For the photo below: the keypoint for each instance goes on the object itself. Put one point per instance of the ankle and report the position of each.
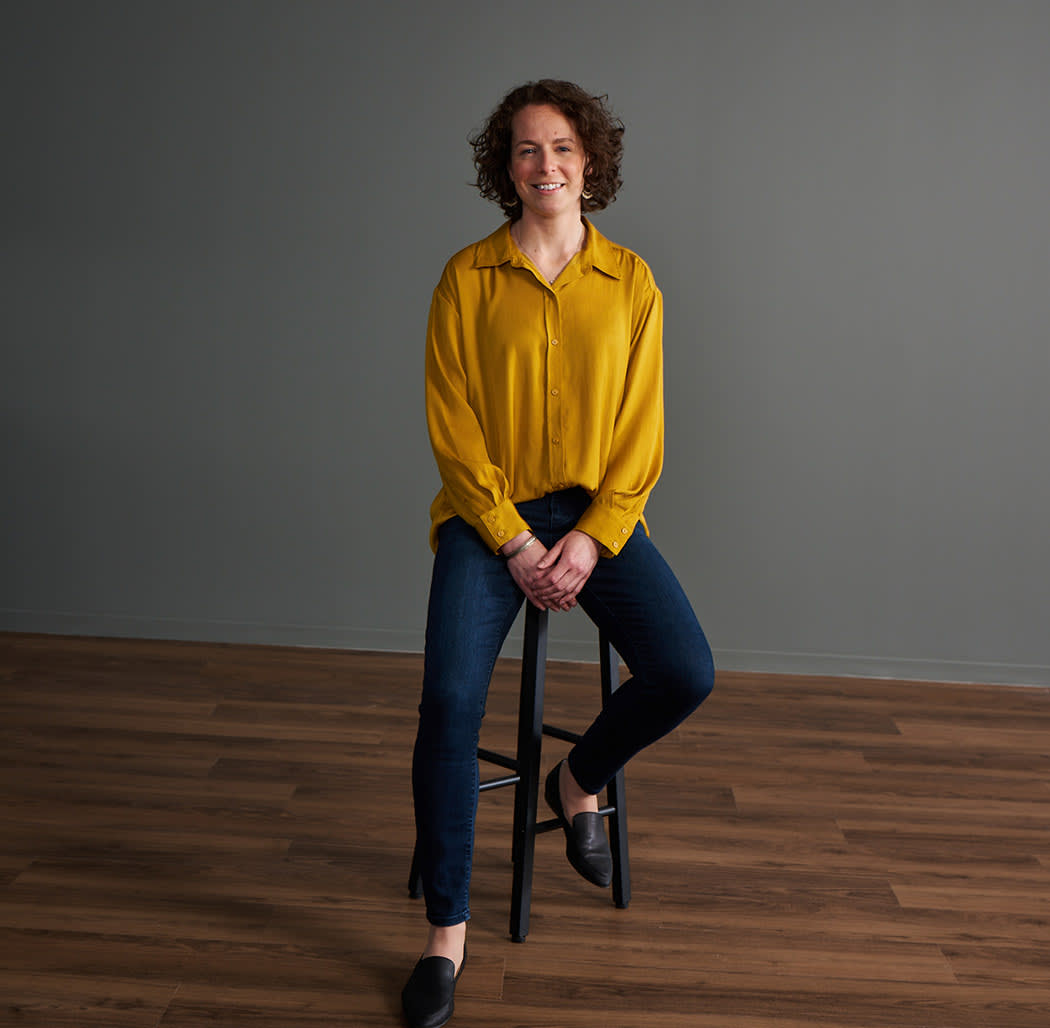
(573, 798)
(447, 941)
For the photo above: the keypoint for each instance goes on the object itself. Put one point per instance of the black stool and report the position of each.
(526, 777)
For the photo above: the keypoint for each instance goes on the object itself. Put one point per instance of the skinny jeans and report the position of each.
(634, 597)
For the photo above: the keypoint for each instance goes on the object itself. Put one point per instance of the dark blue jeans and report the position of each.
(634, 597)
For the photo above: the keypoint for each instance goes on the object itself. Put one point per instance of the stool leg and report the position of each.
(616, 794)
(530, 742)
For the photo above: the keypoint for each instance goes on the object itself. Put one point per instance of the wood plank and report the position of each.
(198, 834)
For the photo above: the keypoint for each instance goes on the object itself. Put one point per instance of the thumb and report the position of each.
(550, 557)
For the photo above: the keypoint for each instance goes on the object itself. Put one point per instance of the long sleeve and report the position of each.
(478, 490)
(635, 456)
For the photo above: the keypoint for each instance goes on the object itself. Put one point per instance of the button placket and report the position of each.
(555, 382)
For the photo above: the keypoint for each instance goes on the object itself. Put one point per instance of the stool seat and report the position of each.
(525, 776)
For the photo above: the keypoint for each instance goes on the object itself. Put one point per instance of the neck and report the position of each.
(549, 236)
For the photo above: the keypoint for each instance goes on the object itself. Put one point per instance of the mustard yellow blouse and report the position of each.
(533, 387)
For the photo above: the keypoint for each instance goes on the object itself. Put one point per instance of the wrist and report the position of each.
(596, 546)
(518, 544)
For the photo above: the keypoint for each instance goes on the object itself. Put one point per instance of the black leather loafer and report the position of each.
(585, 842)
(429, 994)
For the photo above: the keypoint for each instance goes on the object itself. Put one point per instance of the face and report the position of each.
(547, 162)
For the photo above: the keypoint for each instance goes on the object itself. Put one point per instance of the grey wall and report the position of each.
(222, 223)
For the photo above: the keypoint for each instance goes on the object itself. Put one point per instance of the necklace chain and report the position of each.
(534, 257)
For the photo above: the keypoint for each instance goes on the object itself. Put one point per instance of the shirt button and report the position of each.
(555, 440)
(501, 533)
(554, 342)
(554, 392)
(616, 546)
(623, 531)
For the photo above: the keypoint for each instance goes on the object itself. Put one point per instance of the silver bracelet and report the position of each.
(521, 549)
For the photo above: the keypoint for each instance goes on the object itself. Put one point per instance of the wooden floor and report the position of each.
(213, 835)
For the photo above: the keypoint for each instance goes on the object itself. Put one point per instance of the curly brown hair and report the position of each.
(600, 132)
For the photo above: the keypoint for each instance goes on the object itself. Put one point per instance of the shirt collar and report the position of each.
(499, 248)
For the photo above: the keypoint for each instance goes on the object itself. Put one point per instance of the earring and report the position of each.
(587, 195)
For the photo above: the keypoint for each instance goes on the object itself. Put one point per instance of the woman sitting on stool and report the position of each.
(545, 412)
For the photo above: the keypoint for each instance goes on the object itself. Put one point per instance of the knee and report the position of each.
(450, 712)
(443, 710)
(690, 683)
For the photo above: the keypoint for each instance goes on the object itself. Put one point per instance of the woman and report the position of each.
(544, 406)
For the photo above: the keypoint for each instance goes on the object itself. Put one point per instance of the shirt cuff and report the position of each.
(501, 524)
(609, 527)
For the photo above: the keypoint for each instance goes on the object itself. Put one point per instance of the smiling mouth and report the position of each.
(549, 187)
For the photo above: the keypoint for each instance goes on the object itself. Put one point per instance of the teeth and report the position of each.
(549, 188)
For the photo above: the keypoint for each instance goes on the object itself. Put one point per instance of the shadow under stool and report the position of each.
(525, 776)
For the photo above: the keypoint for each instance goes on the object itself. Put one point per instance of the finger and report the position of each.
(553, 590)
(546, 569)
(550, 558)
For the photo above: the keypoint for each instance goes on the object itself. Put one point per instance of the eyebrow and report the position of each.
(533, 142)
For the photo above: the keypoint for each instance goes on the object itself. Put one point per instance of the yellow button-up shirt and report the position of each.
(532, 387)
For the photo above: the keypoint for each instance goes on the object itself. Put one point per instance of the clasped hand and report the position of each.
(552, 579)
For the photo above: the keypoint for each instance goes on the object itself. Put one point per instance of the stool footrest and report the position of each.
(552, 823)
(500, 759)
(499, 783)
(560, 733)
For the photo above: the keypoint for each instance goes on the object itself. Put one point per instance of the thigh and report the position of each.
(473, 603)
(638, 601)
